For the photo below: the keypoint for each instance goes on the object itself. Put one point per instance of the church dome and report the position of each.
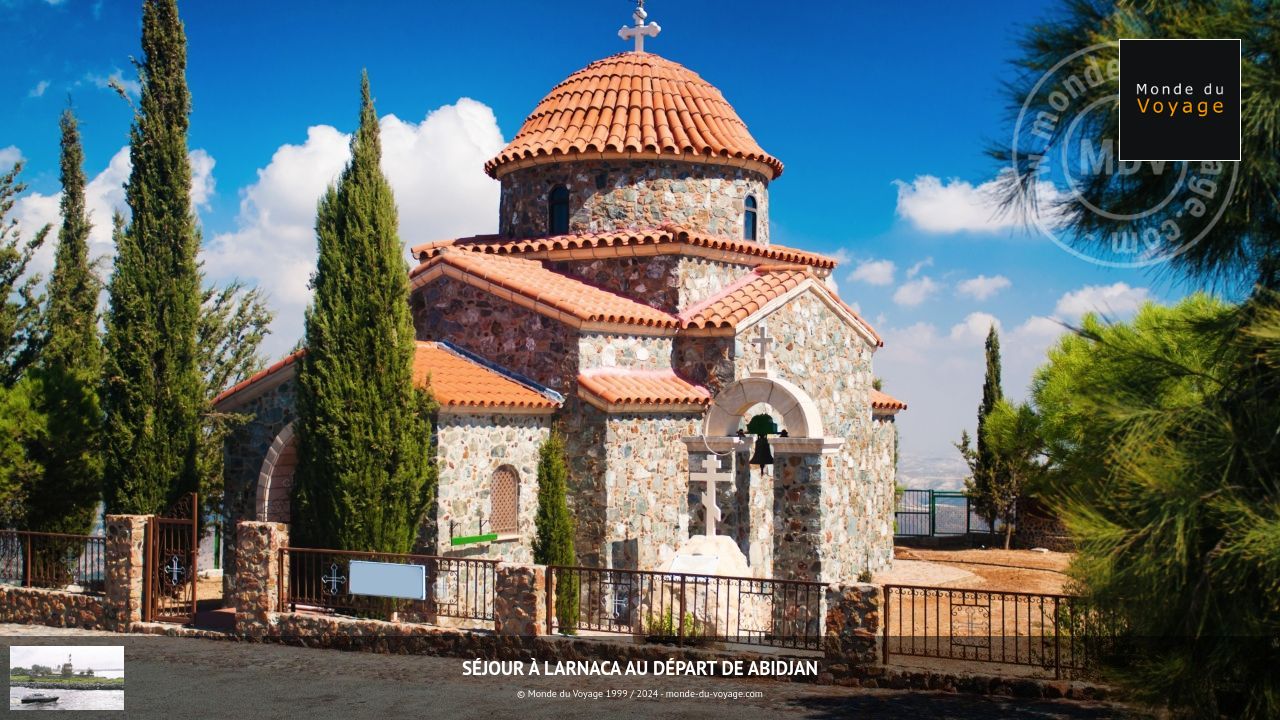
(634, 105)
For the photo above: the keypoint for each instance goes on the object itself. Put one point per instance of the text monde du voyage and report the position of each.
(1179, 100)
(730, 668)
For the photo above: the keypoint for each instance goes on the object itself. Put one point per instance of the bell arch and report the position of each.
(275, 478)
(800, 416)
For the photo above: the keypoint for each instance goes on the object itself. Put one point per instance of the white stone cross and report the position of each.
(710, 477)
(641, 30)
(763, 344)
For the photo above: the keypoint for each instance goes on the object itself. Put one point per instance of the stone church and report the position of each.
(633, 299)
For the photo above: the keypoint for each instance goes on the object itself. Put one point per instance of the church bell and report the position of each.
(762, 455)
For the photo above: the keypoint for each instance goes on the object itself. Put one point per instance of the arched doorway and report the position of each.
(275, 479)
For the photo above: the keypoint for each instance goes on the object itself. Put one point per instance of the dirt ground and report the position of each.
(982, 569)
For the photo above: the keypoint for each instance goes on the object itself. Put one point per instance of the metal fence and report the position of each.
(688, 609)
(319, 580)
(927, 513)
(53, 560)
(1052, 632)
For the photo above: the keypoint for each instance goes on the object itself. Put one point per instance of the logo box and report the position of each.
(1179, 100)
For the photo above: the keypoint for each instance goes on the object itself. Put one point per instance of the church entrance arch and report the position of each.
(275, 479)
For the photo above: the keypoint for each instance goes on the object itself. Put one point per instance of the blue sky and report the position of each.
(881, 113)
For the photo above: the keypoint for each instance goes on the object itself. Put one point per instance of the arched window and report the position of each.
(558, 211)
(749, 218)
(504, 496)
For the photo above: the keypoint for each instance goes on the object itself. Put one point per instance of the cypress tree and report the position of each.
(152, 389)
(365, 476)
(553, 542)
(985, 464)
(63, 497)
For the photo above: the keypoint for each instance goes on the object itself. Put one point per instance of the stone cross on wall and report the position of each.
(711, 477)
(641, 30)
(764, 345)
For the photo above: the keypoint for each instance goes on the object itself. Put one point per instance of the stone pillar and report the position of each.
(797, 517)
(853, 624)
(258, 577)
(125, 568)
(520, 599)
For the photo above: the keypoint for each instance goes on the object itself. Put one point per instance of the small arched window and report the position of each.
(749, 218)
(558, 211)
(504, 495)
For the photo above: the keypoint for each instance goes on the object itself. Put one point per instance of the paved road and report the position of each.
(182, 678)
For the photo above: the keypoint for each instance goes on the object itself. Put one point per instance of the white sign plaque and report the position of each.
(393, 580)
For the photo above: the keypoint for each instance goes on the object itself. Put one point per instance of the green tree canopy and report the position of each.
(365, 475)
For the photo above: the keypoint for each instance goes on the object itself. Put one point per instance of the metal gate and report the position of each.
(173, 543)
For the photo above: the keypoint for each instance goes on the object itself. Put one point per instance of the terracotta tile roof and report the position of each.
(460, 382)
(637, 104)
(457, 380)
(529, 283)
(621, 389)
(750, 293)
(884, 401)
(269, 372)
(670, 239)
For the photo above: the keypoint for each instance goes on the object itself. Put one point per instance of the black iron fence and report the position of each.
(688, 609)
(1056, 633)
(927, 513)
(53, 560)
(319, 580)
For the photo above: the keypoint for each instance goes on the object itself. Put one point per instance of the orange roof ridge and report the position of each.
(634, 103)
(623, 389)
(261, 375)
(625, 241)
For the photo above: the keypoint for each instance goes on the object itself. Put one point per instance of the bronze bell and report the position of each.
(762, 455)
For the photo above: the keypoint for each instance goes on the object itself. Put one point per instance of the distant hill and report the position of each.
(932, 473)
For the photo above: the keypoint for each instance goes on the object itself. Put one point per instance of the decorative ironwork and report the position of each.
(172, 545)
(75, 563)
(1056, 633)
(456, 587)
(685, 608)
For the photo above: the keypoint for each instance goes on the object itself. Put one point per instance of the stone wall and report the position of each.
(257, 590)
(1038, 531)
(800, 552)
(634, 352)
(244, 450)
(646, 484)
(857, 490)
(853, 623)
(706, 361)
(471, 449)
(652, 280)
(608, 195)
(520, 600)
(55, 608)
(700, 278)
(124, 550)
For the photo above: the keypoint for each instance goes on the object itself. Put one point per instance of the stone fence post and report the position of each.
(520, 599)
(853, 624)
(257, 588)
(123, 561)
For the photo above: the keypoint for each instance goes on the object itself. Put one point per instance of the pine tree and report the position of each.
(365, 477)
(20, 316)
(65, 492)
(152, 390)
(553, 543)
(984, 483)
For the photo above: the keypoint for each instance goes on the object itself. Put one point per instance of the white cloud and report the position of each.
(974, 327)
(915, 269)
(915, 292)
(1107, 300)
(104, 195)
(435, 168)
(8, 157)
(983, 287)
(955, 205)
(874, 272)
(104, 82)
(38, 90)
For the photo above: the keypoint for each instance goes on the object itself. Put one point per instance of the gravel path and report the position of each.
(181, 678)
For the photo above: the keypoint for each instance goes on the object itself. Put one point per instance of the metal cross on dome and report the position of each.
(333, 579)
(174, 571)
(641, 30)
